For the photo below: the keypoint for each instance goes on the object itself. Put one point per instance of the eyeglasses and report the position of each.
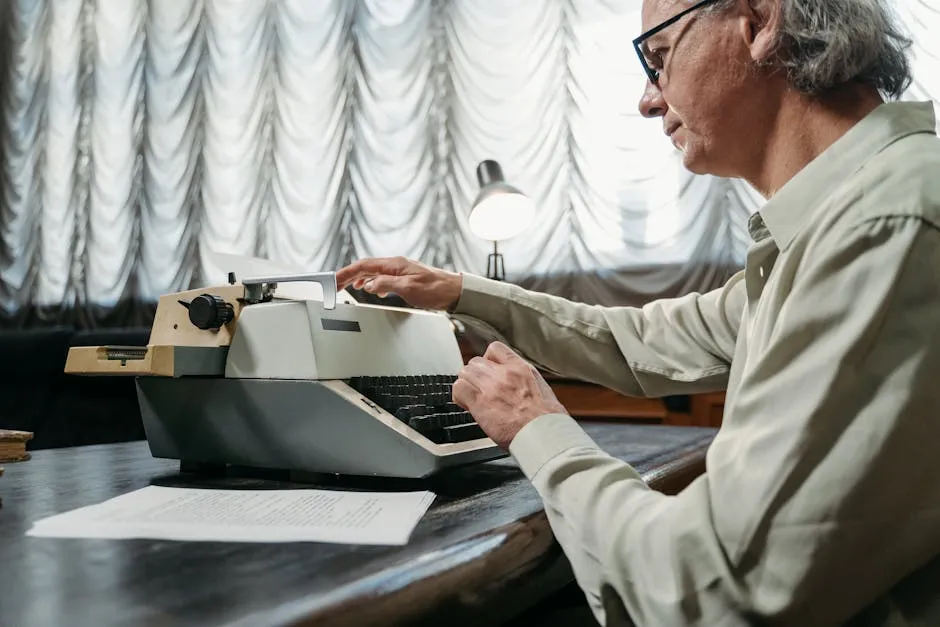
(638, 42)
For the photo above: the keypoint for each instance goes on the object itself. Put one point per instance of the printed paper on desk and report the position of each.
(197, 514)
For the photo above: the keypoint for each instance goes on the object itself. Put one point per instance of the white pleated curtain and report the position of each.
(139, 135)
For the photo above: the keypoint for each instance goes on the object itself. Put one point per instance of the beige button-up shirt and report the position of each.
(822, 488)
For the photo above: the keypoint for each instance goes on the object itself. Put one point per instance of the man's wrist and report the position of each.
(452, 307)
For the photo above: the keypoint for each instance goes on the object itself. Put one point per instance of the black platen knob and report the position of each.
(208, 311)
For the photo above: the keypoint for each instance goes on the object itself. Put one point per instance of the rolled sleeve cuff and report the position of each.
(545, 438)
(484, 299)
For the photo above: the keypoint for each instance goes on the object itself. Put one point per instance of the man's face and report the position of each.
(704, 93)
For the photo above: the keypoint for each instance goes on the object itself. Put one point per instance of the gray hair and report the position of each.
(826, 43)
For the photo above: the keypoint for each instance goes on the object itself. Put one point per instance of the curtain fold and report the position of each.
(173, 146)
(138, 137)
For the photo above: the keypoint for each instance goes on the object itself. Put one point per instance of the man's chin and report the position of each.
(697, 160)
(693, 162)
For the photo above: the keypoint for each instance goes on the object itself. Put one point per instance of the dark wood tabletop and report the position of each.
(483, 553)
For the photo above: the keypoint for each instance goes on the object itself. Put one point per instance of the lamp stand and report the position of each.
(495, 268)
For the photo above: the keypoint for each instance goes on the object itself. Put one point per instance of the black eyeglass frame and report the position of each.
(652, 74)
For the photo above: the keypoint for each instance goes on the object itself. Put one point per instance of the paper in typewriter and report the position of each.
(196, 514)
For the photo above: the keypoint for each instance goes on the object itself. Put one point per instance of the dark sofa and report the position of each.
(60, 409)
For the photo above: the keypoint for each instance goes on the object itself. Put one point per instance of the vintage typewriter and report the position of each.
(236, 377)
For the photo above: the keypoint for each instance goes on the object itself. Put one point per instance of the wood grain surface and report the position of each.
(483, 553)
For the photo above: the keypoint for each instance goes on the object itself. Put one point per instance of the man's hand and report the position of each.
(419, 285)
(503, 393)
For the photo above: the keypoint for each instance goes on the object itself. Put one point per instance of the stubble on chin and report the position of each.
(693, 160)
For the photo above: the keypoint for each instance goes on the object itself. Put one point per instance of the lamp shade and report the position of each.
(500, 211)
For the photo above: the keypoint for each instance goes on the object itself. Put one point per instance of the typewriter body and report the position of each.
(235, 377)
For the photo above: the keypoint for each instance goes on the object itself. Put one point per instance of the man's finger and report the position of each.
(382, 285)
(479, 362)
(500, 353)
(463, 392)
(476, 371)
(367, 267)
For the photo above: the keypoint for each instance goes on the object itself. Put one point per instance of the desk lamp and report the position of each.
(499, 212)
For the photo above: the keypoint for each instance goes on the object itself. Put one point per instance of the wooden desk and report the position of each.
(482, 554)
(707, 409)
(587, 400)
(590, 401)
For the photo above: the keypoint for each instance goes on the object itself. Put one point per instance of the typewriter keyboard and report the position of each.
(423, 403)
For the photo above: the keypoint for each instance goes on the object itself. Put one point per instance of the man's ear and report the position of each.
(760, 26)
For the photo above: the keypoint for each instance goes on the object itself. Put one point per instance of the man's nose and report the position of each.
(652, 103)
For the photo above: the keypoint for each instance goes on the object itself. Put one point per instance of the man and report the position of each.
(821, 500)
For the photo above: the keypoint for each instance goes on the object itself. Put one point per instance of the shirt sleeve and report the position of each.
(672, 346)
(810, 501)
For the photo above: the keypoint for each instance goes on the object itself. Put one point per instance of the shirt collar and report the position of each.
(791, 207)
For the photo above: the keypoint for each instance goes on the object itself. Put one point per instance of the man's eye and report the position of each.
(655, 58)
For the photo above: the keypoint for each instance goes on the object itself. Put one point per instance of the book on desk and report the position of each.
(13, 445)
